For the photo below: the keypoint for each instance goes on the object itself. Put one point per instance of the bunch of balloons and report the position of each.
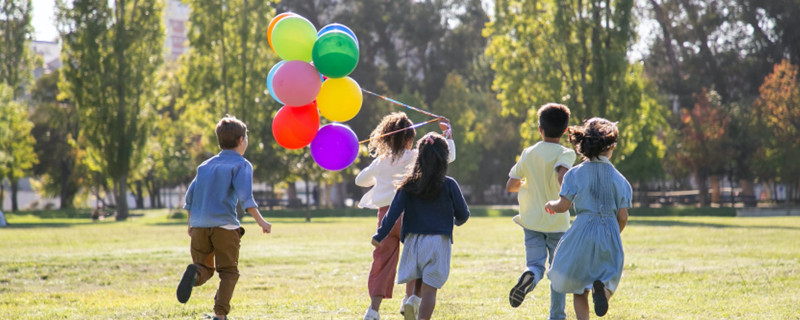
(312, 80)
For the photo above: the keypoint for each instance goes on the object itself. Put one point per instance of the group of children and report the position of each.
(419, 205)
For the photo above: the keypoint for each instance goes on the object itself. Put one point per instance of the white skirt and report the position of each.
(426, 257)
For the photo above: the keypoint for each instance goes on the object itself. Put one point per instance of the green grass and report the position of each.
(675, 268)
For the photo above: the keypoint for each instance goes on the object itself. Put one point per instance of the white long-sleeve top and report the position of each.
(384, 174)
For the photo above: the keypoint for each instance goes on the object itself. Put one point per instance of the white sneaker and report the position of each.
(411, 308)
(372, 315)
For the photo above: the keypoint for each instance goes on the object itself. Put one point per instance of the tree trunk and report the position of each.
(702, 186)
(291, 194)
(748, 193)
(308, 201)
(715, 189)
(121, 198)
(14, 189)
(66, 197)
(139, 195)
(2, 194)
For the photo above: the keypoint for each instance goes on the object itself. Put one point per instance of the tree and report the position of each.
(55, 130)
(15, 31)
(778, 114)
(702, 140)
(225, 73)
(16, 142)
(575, 52)
(15, 66)
(110, 57)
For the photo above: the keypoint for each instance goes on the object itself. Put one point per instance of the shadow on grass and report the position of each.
(673, 223)
(31, 225)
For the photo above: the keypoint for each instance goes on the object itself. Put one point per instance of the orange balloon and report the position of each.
(272, 24)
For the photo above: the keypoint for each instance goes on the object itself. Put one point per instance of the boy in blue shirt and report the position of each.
(216, 233)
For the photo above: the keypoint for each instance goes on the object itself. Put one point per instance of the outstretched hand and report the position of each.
(444, 125)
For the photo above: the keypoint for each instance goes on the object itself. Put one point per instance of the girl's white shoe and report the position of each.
(411, 307)
(372, 315)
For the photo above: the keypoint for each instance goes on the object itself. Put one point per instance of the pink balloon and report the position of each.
(296, 83)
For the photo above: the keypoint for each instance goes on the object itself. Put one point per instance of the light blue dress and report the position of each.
(592, 248)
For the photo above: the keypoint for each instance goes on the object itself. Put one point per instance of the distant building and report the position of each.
(50, 52)
(176, 18)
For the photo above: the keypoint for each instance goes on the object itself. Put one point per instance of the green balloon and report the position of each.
(335, 54)
(293, 38)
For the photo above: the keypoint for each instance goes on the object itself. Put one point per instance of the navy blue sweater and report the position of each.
(426, 216)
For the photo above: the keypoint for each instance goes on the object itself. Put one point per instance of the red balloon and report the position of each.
(295, 127)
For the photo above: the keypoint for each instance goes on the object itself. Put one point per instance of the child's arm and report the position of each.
(513, 184)
(561, 172)
(447, 132)
(366, 178)
(622, 218)
(188, 219)
(461, 210)
(557, 206)
(266, 227)
(395, 209)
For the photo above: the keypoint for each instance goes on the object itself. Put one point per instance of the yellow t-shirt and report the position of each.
(537, 168)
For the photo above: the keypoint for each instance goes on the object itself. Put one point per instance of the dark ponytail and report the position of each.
(595, 136)
(427, 177)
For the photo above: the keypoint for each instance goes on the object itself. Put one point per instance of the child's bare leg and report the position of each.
(411, 287)
(581, 303)
(376, 302)
(428, 295)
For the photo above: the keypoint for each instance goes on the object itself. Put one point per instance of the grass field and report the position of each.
(675, 268)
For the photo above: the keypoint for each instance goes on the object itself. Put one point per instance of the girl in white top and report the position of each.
(394, 156)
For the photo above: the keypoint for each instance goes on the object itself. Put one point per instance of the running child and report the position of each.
(216, 233)
(537, 178)
(392, 146)
(590, 256)
(431, 204)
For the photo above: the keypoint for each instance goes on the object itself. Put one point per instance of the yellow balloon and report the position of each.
(339, 99)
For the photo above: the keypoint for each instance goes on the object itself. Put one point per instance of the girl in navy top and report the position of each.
(431, 203)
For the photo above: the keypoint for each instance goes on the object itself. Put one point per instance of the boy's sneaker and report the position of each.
(187, 282)
(599, 298)
(411, 308)
(524, 285)
(372, 315)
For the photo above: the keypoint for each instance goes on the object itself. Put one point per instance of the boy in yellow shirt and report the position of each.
(537, 177)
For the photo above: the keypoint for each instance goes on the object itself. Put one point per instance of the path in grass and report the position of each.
(675, 268)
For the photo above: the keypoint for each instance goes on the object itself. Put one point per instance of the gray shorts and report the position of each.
(426, 257)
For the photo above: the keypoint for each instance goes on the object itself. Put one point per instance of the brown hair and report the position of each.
(594, 137)
(229, 130)
(553, 119)
(427, 177)
(394, 144)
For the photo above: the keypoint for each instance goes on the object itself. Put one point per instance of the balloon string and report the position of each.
(396, 131)
(401, 104)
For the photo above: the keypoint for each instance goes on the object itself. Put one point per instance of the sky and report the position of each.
(44, 20)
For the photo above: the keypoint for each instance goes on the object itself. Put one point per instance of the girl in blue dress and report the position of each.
(589, 256)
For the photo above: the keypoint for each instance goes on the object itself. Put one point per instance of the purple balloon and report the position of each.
(296, 83)
(335, 147)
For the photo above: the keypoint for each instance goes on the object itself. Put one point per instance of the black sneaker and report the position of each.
(187, 282)
(599, 298)
(524, 285)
